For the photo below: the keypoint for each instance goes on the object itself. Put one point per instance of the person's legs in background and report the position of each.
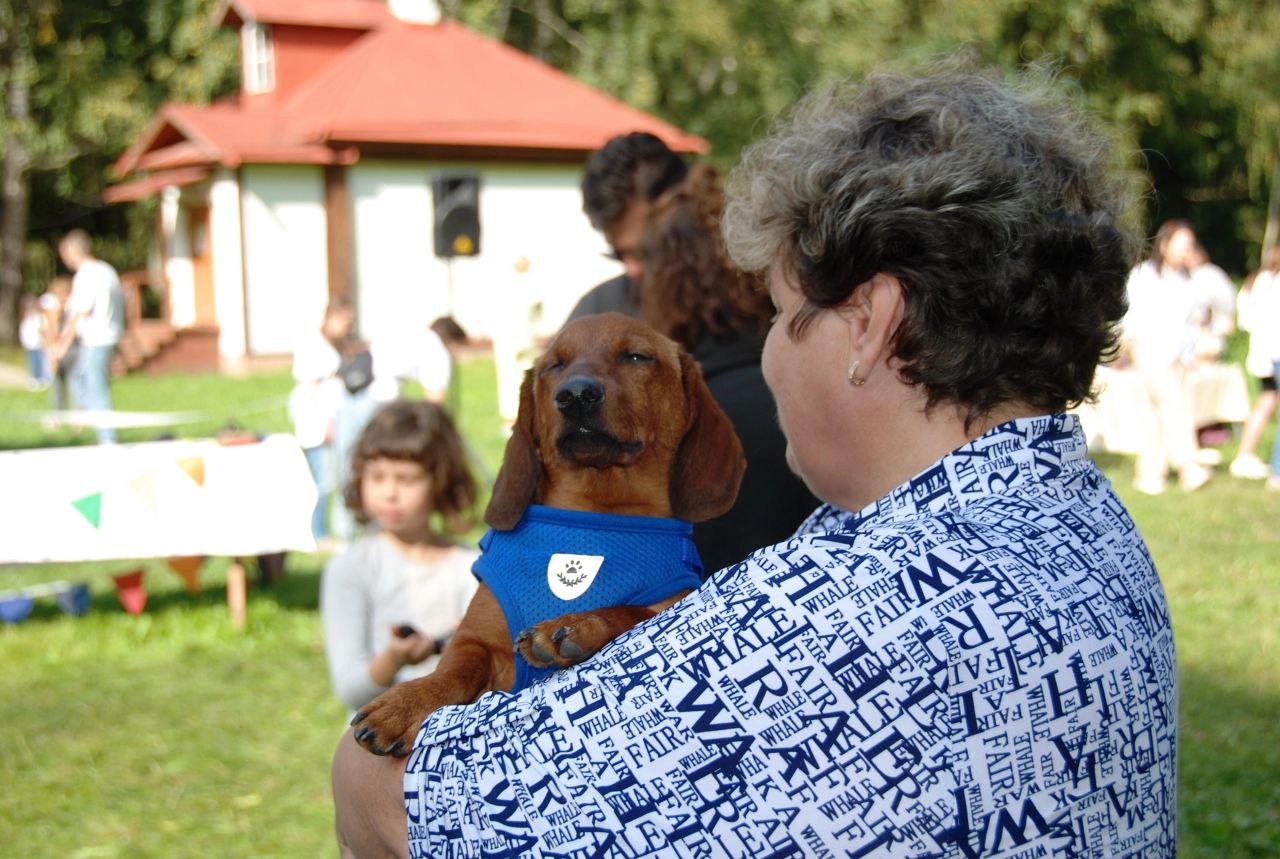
(1273, 482)
(90, 385)
(36, 366)
(354, 411)
(1247, 464)
(318, 460)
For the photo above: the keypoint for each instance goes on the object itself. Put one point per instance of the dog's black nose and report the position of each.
(579, 395)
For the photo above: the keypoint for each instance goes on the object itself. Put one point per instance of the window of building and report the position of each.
(258, 53)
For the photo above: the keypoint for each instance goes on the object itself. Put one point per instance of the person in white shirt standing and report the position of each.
(313, 403)
(1161, 331)
(95, 321)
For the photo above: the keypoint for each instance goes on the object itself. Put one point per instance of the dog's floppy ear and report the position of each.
(521, 468)
(709, 464)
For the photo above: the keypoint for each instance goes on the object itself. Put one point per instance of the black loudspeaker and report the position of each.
(457, 215)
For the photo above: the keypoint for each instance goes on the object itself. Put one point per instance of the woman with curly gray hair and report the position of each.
(965, 650)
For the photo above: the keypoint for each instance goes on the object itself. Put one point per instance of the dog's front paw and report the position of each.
(561, 642)
(388, 724)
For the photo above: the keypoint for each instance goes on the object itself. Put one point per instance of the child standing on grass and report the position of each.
(389, 601)
(31, 333)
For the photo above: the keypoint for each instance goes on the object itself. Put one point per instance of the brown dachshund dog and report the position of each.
(613, 418)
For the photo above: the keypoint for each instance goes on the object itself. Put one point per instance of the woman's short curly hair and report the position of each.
(993, 203)
(421, 432)
(691, 287)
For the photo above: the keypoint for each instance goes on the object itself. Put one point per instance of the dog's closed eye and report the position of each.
(638, 358)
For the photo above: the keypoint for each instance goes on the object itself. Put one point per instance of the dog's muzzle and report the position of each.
(579, 397)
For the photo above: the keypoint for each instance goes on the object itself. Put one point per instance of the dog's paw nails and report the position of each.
(525, 635)
(560, 634)
(569, 649)
(357, 719)
(540, 654)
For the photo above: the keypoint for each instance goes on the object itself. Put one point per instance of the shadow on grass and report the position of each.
(1228, 767)
(297, 590)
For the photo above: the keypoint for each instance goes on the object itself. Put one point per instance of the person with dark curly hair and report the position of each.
(391, 599)
(621, 181)
(693, 293)
(966, 649)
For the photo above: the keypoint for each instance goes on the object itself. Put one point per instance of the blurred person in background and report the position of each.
(31, 334)
(621, 181)
(313, 402)
(1259, 314)
(1161, 332)
(94, 322)
(693, 293)
(390, 600)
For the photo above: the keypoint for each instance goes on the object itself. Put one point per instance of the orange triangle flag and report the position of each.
(194, 467)
(145, 486)
(188, 569)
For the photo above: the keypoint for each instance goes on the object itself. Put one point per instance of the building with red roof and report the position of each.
(315, 179)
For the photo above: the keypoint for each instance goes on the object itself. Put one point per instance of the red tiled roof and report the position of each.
(447, 85)
(139, 189)
(401, 84)
(349, 14)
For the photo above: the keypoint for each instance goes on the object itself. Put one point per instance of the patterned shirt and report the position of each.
(978, 664)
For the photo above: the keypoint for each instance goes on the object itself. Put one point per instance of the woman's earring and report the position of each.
(853, 374)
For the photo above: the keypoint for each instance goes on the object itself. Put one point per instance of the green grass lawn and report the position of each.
(173, 735)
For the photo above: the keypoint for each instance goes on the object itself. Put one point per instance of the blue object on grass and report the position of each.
(75, 599)
(14, 608)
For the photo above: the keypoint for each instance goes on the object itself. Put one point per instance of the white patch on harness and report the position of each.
(570, 576)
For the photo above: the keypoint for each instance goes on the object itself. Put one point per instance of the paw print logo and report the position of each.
(571, 574)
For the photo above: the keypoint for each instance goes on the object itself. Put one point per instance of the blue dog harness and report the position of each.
(559, 561)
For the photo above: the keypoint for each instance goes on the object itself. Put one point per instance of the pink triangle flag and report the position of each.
(133, 596)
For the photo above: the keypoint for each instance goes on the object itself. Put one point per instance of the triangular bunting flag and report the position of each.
(189, 570)
(15, 606)
(74, 599)
(194, 467)
(145, 486)
(90, 507)
(132, 595)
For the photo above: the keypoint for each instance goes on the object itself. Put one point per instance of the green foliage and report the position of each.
(1187, 85)
(101, 69)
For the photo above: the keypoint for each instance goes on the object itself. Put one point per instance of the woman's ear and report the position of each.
(709, 462)
(521, 470)
(874, 312)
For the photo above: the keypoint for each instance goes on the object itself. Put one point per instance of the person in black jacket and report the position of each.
(695, 295)
(621, 181)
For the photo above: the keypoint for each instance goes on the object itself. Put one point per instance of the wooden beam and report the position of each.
(337, 211)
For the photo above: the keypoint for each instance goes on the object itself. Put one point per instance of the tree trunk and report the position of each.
(14, 182)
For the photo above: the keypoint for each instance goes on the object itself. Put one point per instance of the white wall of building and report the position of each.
(228, 267)
(286, 260)
(177, 258)
(538, 253)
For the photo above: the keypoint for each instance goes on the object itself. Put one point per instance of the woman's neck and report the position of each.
(913, 439)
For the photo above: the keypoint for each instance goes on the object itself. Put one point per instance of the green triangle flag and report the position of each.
(90, 507)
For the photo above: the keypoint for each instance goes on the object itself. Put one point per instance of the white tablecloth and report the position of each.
(1119, 420)
(155, 500)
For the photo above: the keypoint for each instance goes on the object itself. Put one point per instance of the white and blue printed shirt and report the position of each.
(979, 664)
